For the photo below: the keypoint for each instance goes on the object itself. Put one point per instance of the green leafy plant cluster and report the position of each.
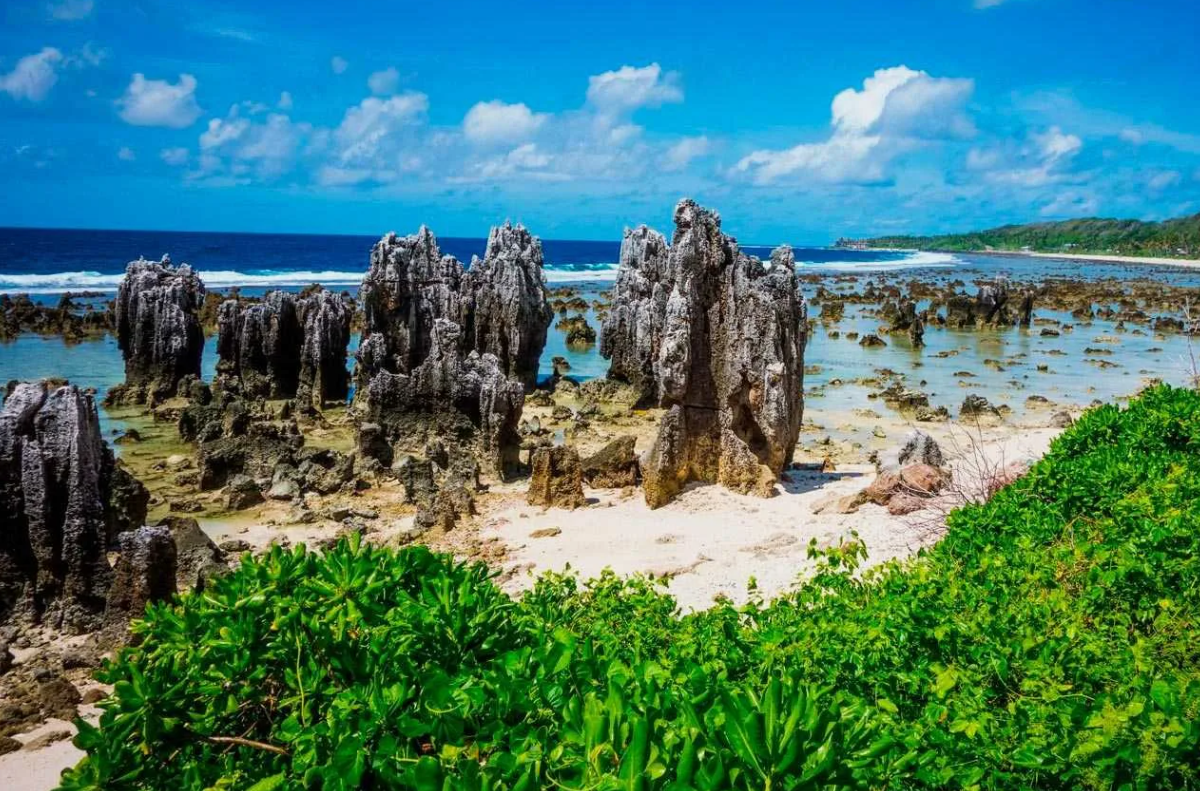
(1049, 641)
(1179, 237)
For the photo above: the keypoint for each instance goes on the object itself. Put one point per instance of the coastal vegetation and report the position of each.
(1047, 641)
(1175, 238)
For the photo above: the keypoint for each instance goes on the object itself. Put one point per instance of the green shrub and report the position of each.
(1049, 641)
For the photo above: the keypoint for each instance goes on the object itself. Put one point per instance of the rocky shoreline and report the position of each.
(451, 439)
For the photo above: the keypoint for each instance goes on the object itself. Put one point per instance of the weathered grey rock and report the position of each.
(56, 475)
(145, 572)
(506, 312)
(259, 343)
(992, 304)
(1025, 313)
(426, 367)
(325, 318)
(716, 337)
(556, 479)
(632, 333)
(198, 559)
(918, 448)
(158, 330)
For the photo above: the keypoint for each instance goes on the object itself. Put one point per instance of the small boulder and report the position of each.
(557, 478)
(614, 466)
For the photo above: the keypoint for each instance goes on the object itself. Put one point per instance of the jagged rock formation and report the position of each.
(557, 478)
(716, 338)
(60, 497)
(325, 319)
(632, 333)
(287, 346)
(158, 330)
(506, 311)
(259, 343)
(991, 307)
(445, 353)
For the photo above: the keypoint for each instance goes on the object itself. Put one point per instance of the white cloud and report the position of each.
(160, 103)
(174, 156)
(71, 10)
(498, 122)
(681, 154)
(384, 83)
(33, 76)
(285, 101)
(897, 109)
(126, 154)
(377, 140)
(1167, 178)
(629, 88)
(1055, 145)
(338, 64)
(237, 147)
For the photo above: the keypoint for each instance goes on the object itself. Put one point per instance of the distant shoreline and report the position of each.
(1187, 263)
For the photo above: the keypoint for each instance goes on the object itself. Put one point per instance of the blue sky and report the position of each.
(798, 121)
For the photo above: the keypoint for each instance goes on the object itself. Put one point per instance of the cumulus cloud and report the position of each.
(385, 82)
(126, 154)
(629, 88)
(237, 147)
(896, 109)
(498, 122)
(71, 10)
(285, 101)
(377, 140)
(338, 64)
(33, 76)
(159, 102)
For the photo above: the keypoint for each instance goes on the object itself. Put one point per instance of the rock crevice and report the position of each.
(715, 337)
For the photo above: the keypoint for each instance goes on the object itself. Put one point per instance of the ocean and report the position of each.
(1002, 364)
(50, 261)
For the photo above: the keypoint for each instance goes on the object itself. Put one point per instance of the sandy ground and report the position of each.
(38, 768)
(710, 542)
(1189, 263)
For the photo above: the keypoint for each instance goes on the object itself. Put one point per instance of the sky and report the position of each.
(797, 121)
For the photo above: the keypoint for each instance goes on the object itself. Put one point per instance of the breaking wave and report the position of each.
(58, 282)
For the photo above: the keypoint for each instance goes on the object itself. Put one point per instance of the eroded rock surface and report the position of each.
(716, 337)
(57, 485)
(556, 480)
(259, 343)
(325, 322)
(445, 354)
(158, 330)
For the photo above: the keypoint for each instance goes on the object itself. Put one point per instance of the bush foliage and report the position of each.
(1049, 641)
(1179, 237)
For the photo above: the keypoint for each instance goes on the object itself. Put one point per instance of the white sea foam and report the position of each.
(602, 274)
(920, 260)
(58, 282)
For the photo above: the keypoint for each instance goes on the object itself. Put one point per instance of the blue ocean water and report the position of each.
(47, 261)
